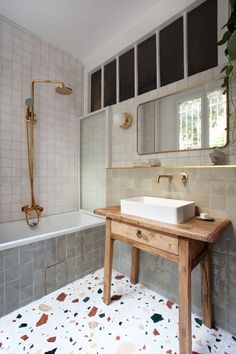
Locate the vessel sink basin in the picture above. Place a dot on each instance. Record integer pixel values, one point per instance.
(172, 211)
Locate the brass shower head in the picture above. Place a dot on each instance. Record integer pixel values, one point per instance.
(64, 90)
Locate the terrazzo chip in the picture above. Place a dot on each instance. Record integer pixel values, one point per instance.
(75, 320)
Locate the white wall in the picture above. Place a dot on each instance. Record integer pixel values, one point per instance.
(24, 57)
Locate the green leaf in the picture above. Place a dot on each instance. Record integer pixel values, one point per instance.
(225, 38)
(224, 26)
(223, 69)
(229, 69)
(225, 82)
(233, 3)
(232, 46)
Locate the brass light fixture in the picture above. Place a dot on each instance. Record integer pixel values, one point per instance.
(123, 120)
(34, 209)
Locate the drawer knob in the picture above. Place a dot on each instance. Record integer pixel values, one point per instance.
(139, 234)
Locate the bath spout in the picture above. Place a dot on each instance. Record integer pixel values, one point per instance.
(168, 175)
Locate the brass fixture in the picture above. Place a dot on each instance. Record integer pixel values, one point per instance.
(184, 177)
(168, 175)
(30, 122)
(123, 120)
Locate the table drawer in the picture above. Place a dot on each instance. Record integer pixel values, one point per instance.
(151, 238)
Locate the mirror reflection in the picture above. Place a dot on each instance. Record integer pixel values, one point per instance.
(191, 119)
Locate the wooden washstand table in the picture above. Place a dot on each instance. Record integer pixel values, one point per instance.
(186, 244)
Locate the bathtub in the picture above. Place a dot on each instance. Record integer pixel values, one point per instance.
(18, 233)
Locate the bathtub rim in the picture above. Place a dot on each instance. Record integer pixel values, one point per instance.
(48, 235)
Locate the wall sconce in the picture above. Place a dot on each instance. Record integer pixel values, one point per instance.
(123, 120)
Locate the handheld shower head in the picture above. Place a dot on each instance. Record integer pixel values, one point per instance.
(29, 102)
(63, 90)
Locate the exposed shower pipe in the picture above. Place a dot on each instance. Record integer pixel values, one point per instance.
(30, 122)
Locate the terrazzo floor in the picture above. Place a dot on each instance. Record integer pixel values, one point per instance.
(75, 320)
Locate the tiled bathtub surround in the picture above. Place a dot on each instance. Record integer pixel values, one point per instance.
(29, 272)
(214, 191)
(24, 57)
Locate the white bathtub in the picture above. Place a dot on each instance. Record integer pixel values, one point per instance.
(18, 233)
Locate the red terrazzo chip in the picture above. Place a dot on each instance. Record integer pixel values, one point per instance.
(51, 339)
(169, 304)
(75, 301)
(119, 277)
(43, 319)
(117, 337)
(93, 311)
(116, 297)
(155, 332)
(61, 297)
(24, 337)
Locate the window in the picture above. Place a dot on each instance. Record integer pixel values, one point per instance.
(147, 65)
(202, 121)
(110, 83)
(96, 90)
(187, 46)
(126, 75)
(190, 124)
(217, 114)
(202, 37)
(172, 52)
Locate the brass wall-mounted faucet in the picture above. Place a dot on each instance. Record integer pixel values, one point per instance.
(184, 177)
(168, 175)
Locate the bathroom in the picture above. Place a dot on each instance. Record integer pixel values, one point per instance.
(94, 97)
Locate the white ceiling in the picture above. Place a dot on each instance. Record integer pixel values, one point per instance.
(80, 27)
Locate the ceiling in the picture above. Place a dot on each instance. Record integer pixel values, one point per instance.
(80, 27)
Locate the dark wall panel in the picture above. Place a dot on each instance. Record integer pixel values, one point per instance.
(147, 67)
(172, 52)
(110, 83)
(96, 90)
(202, 37)
(126, 75)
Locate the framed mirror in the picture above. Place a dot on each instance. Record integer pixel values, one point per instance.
(193, 119)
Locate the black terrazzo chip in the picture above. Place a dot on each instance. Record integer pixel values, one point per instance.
(199, 322)
(157, 317)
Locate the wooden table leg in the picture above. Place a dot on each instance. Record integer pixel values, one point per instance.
(108, 264)
(134, 265)
(206, 291)
(185, 319)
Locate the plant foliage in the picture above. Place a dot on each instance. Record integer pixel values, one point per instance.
(229, 38)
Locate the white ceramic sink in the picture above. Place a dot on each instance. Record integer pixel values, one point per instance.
(172, 211)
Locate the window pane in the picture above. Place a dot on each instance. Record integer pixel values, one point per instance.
(96, 90)
(189, 113)
(202, 37)
(110, 83)
(172, 52)
(126, 75)
(217, 118)
(147, 67)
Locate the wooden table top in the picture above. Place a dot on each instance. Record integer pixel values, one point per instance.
(206, 231)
